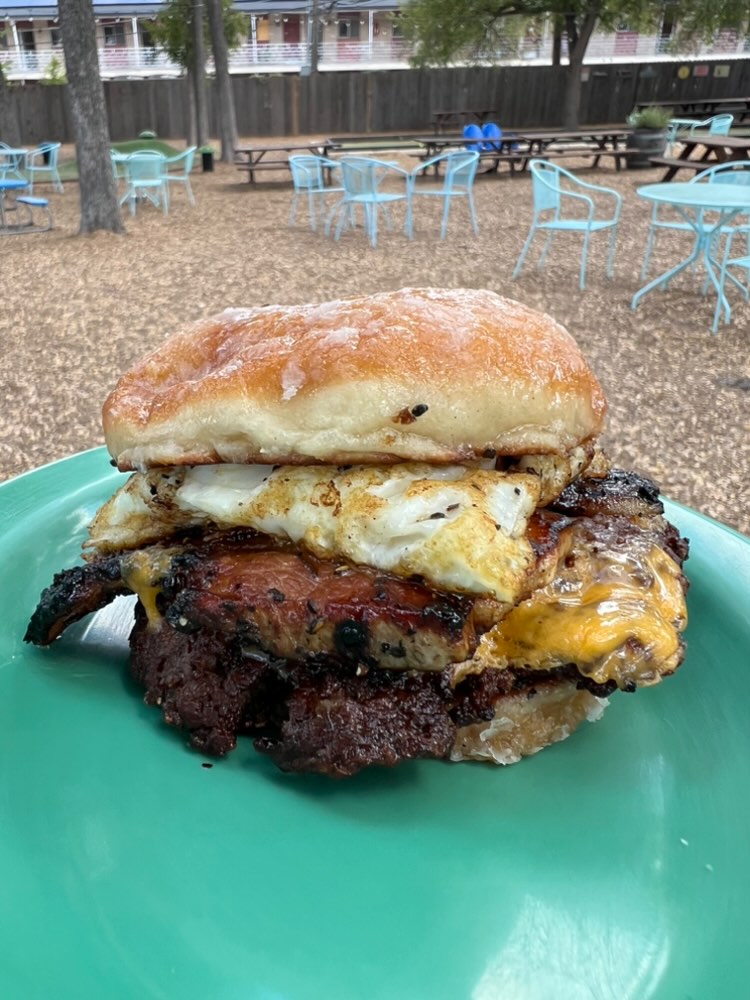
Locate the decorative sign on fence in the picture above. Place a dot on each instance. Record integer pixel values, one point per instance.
(700, 69)
(721, 69)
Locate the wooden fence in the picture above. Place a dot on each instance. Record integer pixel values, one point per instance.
(382, 101)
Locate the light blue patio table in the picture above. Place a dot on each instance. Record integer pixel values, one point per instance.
(691, 201)
(8, 184)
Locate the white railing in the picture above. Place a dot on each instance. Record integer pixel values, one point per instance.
(121, 61)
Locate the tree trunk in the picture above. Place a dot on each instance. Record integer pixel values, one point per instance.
(9, 129)
(192, 128)
(314, 36)
(199, 74)
(557, 32)
(99, 208)
(578, 40)
(227, 119)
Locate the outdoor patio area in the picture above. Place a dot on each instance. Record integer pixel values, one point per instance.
(79, 310)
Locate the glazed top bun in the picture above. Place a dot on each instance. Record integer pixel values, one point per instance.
(421, 374)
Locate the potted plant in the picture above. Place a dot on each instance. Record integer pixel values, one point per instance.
(649, 136)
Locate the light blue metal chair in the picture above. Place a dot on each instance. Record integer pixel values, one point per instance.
(177, 170)
(309, 181)
(732, 172)
(475, 140)
(144, 179)
(11, 162)
(556, 191)
(460, 170)
(43, 160)
(362, 180)
(716, 125)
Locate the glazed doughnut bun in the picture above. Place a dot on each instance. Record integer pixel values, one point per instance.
(420, 374)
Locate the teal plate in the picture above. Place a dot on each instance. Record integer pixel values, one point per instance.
(613, 866)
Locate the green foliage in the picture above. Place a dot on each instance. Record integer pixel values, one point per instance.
(443, 30)
(139, 145)
(171, 29)
(54, 74)
(655, 118)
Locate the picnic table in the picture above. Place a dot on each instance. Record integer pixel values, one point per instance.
(590, 142)
(701, 150)
(353, 144)
(442, 120)
(704, 107)
(268, 156)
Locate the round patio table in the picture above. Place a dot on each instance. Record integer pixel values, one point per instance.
(8, 184)
(692, 200)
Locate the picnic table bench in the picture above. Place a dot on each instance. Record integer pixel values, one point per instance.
(704, 107)
(255, 157)
(701, 150)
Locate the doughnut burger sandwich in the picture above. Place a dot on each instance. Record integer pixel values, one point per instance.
(376, 529)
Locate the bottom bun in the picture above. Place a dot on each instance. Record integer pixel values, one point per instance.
(524, 725)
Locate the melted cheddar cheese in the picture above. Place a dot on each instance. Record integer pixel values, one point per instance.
(616, 612)
(143, 573)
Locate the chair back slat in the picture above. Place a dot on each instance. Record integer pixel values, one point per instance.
(720, 124)
(307, 172)
(460, 170)
(545, 186)
(361, 176)
(733, 172)
(145, 166)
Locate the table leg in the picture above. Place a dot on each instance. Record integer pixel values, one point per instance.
(663, 279)
(702, 249)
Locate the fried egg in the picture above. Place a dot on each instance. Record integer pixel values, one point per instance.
(460, 528)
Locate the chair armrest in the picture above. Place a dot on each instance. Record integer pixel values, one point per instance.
(605, 191)
(426, 164)
(579, 197)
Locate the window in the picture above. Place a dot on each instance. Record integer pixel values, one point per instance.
(348, 27)
(114, 35)
(55, 37)
(26, 36)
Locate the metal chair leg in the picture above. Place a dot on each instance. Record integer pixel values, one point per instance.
(584, 260)
(292, 211)
(524, 251)
(611, 251)
(543, 256)
(472, 212)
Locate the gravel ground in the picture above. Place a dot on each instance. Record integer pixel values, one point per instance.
(79, 310)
